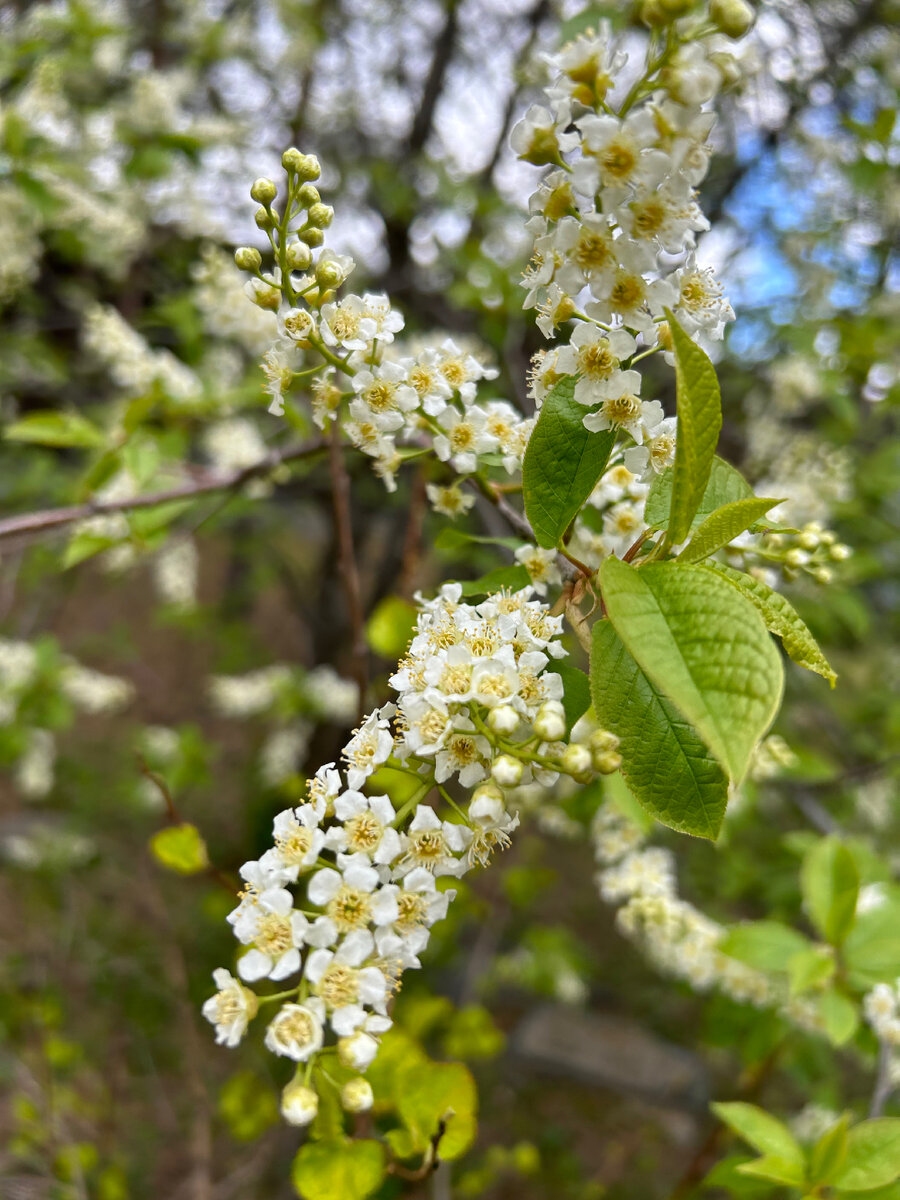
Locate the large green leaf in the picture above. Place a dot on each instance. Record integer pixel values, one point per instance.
(55, 429)
(563, 462)
(873, 1156)
(576, 691)
(439, 1093)
(699, 422)
(326, 1170)
(724, 487)
(664, 762)
(830, 883)
(723, 526)
(704, 647)
(764, 945)
(781, 619)
(872, 948)
(760, 1130)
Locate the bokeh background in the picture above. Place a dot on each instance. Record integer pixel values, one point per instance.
(207, 643)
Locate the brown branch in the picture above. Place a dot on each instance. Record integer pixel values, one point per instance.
(412, 541)
(29, 525)
(340, 495)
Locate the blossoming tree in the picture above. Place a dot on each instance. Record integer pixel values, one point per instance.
(620, 664)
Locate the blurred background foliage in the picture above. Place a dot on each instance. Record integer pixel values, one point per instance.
(203, 645)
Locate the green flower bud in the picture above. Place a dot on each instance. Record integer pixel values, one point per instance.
(298, 256)
(312, 236)
(356, 1095)
(321, 215)
(676, 8)
(265, 219)
(822, 575)
(328, 273)
(601, 741)
(248, 258)
(732, 17)
(299, 1104)
(308, 195)
(308, 167)
(292, 159)
(607, 761)
(576, 760)
(839, 552)
(263, 191)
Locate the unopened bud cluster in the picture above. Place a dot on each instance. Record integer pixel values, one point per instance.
(812, 551)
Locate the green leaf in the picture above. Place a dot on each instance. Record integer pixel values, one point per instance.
(82, 546)
(351, 1170)
(56, 429)
(576, 691)
(829, 1152)
(839, 1016)
(781, 619)
(761, 1130)
(873, 1156)
(664, 762)
(810, 969)
(872, 949)
(513, 578)
(764, 945)
(562, 464)
(778, 1170)
(724, 487)
(723, 526)
(699, 408)
(441, 1092)
(457, 539)
(830, 883)
(180, 848)
(704, 647)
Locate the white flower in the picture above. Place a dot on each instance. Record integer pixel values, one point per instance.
(299, 1104)
(493, 825)
(449, 501)
(352, 899)
(298, 841)
(538, 135)
(464, 437)
(370, 746)
(384, 396)
(433, 845)
(276, 932)
(365, 827)
(344, 985)
(595, 355)
(231, 1009)
(297, 1031)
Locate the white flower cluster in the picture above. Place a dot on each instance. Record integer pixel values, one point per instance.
(133, 365)
(87, 690)
(676, 937)
(476, 708)
(393, 401)
(882, 1009)
(327, 694)
(612, 216)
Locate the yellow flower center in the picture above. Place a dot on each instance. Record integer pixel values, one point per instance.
(273, 934)
(350, 908)
(338, 986)
(363, 832)
(622, 409)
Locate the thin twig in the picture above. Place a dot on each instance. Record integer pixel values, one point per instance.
(49, 519)
(884, 1084)
(412, 541)
(340, 495)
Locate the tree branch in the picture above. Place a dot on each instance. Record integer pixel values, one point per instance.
(49, 519)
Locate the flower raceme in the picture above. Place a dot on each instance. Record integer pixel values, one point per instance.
(478, 709)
